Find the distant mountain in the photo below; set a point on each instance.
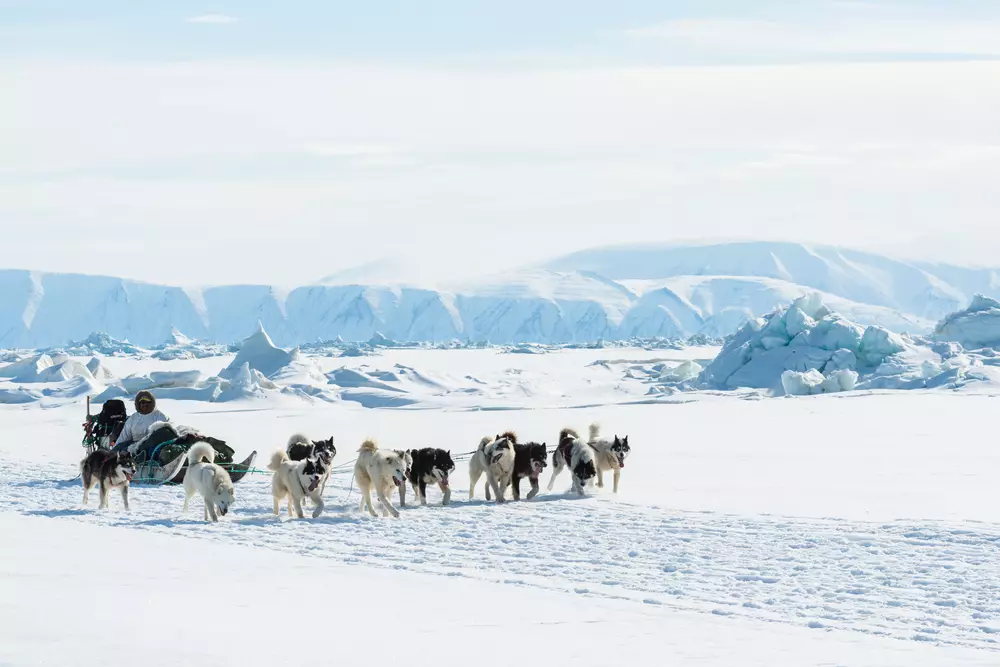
(611, 293)
(923, 290)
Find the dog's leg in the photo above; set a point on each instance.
(277, 503)
(88, 482)
(446, 490)
(298, 507)
(618, 474)
(402, 494)
(288, 498)
(422, 491)
(368, 499)
(386, 504)
(210, 511)
(534, 488)
(556, 469)
(318, 500)
(577, 485)
(474, 474)
(515, 488)
(491, 480)
(600, 478)
(105, 491)
(125, 496)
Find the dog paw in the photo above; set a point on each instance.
(600, 485)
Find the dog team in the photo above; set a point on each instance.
(302, 469)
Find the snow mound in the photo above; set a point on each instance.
(27, 370)
(246, 383)
(102, 343)
(808, 349)
(179, 346)
(259, 353)
(977, 326)
(98, 370)
(18, 396)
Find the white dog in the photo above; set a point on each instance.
(610, 454)
(495, 457)
(296, 481)
(380, 471)
(210, 480)
(574, 453)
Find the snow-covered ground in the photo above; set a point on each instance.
(853, 529)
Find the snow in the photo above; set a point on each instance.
(726, 545)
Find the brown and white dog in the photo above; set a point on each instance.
(112, 470)
(529, 461)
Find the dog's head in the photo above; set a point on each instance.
(537, 456)
(406, 456)
(324, 450)
(395, 462)
(314, 471)
(585, 468)
(621, 450)
(442, 465)
(126, 465)
(225, 495)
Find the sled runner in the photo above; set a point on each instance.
(160, 457)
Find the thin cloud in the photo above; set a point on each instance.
(217, 19)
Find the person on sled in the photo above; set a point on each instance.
(137, 426)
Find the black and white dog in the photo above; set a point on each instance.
(610, 454)
(430, 465)
(495, 458)
(297, 481)
(529, 461)
(112, 470)
(300, 448)
(574, 453)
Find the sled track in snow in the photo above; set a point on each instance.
(911, 580)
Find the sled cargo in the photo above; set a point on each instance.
(160, 457)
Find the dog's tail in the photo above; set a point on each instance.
(510, 435)
(595, 432)
(485, 441)
(201, 451)
(368, 446)
(279, 457)
(568, 433)
(298, 439)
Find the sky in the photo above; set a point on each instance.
(234, 142)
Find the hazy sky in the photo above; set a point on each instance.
(194, 142)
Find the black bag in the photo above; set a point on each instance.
(109, 423)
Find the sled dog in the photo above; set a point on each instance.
(379, 471)
(407, 462)
(495, 458)
(112, 470)
(529, 461)
(574, 453)
(212, 481)
(430, 466)
(301, 448)
(610, 454)
(295, 481)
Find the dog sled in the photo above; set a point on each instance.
(160, 457)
